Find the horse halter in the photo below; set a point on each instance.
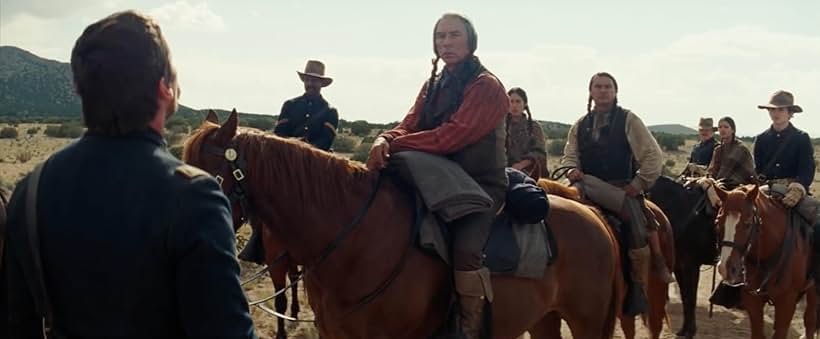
(237, 167)
(768, 271)
(754, 227)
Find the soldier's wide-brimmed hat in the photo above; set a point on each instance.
(707, 123)
(315, 69)
(782, 99)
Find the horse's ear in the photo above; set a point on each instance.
(212, 117)
(720, 193)
(227, 131)
(752, 195)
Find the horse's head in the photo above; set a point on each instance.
(738, 226)
(211, 149)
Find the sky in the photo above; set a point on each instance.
(674, 61)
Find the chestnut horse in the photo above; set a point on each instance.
(658, 290)
(352, 232)
(767, 256)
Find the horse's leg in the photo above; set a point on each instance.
(688, 275)
(658, 295)
(784, 306)
(293, 275)
(810, 314)
(628, 326)
(277, 276)
(754, 307)
(547, 328)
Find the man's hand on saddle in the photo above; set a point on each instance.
(379, 154)
(575, 175)
(794, 194)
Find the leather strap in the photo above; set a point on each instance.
(36, 276)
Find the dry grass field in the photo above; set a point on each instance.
(18, 156)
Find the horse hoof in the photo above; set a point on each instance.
(685, 333)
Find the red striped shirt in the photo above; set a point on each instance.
(483, 108)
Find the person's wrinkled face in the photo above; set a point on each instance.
(451, 40)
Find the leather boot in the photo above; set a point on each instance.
(254, 251)
(474, 292)
(636, 300)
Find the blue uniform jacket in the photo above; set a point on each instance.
(134, 244)
(309, 118)
(795, 161)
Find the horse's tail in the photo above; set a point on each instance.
(618, 284)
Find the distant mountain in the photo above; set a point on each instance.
(31, 86)
(34, 88)
(673, 129)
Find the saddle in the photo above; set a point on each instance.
(519, 243)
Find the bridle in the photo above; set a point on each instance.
(769, 267)
(236, 165)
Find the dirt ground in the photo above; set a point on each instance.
(723, 324)
(36, 147)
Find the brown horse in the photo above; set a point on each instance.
(766, 256)
(658, 290)
(364, 277)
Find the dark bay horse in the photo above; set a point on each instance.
(696, 241)
(370, 281)
(281, 268)
(658, 291)
(767, 256)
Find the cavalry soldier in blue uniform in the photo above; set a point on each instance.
(309, 117)
(130, 241)
(702, 152)
(784, 156)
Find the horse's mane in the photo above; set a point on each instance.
(311, 175)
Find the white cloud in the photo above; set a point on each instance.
(717, 73)
(187, 16)
(52, 9)
(34, 34)
(725, 72)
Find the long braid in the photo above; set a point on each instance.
(529, 122)
(507, 122)
(433, 74)
(589, 105)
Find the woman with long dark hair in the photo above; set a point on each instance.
(526, 145)
(732, 161)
